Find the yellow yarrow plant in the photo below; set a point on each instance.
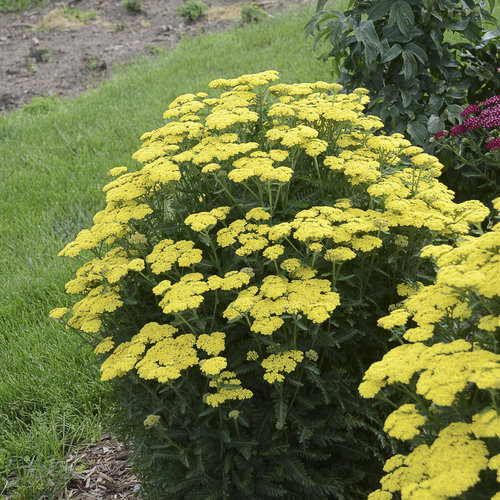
(451, 366)
(240, 268)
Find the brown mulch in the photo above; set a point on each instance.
(100, 471)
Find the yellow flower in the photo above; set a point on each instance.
(278, 364)
(252, 356)
(210, 167)
(59, 312)
(212, 344)
(151, 420)
(117, 171)
(104, 346)
(213, 366)
(257, 213)
(404, 422)
(273, 252)
(339, 254)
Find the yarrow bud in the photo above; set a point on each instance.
(151, 421)
(442, 134)
(470, 110)
(472, 122)
(490, 117)
(493, 144)
(458, 130)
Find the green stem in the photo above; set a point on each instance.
(179, 316)
(319, 175)
(270, 197)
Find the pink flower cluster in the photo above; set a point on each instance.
(485, 114)
(493, 144)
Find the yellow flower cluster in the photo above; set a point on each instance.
(154, 352)
(259, 165)
(469, 270)
(246, 82)
(404, 423)
(212, 344)
(168, 252)
(442, 370)
(110, 224)
(282, 362)
(151, 421)
(228, 388)
(213, 366)
(88, 312)
(278, 296)
(110, 269)
(202, 220)
(466, 292)
(447, 468)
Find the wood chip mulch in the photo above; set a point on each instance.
(100, 472)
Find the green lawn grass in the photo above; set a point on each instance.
(54, 162)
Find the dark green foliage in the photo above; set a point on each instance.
(317, 451)
(400, 51)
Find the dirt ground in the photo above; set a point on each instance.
(66, 47)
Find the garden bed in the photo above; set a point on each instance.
(65, 48)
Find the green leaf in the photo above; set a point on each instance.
(453, 112)
(435, 124)
(224, 436)
(459, 25)
(281, 410)
(392, 53)
(246, 452)
(409, 70)
(366, 34)
(379, 9)
(406, 97)
(417, 51)
(402, 15)
(418, 132)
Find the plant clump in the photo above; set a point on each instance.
(132, 5)
(192, 10)
(233, 284)
(450, 371)
(470, 152)
(252, 13)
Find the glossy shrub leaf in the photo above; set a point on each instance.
(366, 34)
(392, 53)
(379, 9)
(402, 15)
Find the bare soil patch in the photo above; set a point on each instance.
(66, 48)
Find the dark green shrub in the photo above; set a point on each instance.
(400, 51)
